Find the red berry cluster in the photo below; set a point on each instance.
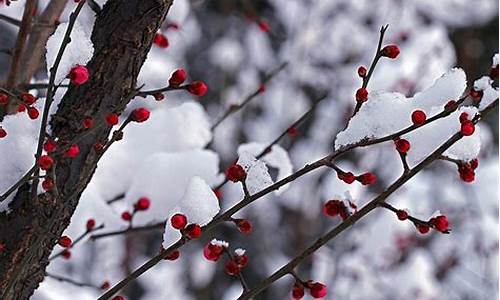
(364, 179)
(180, 222)
(316, 289)
(142, 204)
(467, 127)
(234, 265)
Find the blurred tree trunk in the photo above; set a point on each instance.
(122, 36)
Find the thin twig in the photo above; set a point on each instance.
(71, 281)
(77, 240)
(10, 20)
(50, 92)
(237, 107)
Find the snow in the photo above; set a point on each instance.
(221, 243)
(258, 176)
(386, 113)
(277, 158)
(199, 204)
(19, 146)
(167, 180)
(495, 60)
(78, 51)
(490, 93)
(239, 252)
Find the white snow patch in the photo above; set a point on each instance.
(78, 51)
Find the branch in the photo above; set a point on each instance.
(71, 281)
(235, 108)
(377, 201)
(10, 20)
(77, 240)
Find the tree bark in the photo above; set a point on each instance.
(122, 36)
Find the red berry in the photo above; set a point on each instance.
(332, 208)
(476, 95)
(73, 151)
(367, 178)
(262, 88)
(160, 40)
(112, 119)
(402, 145)
(78, 75)
(65, 241)
(140, 115)
(159, 96)
(463, 117)
(4, 99)
(179, 221)
(244, 226)
(212, 252)
(198, 88)
(362, 71)
(466, 174)
(193, 231)
(105, 285)
(21, 108)
(232, 267)
(440, 223)
(297, 291)
(422, 228)
(361, 95)
(28, 98)
(66, 254)
(263, 25)
(391, 51)
(3, 133)
(467, 128)
(317, 289)
(118, 298)
(346, 177)
(451, 105)
(174, 255)
(402, 215)
(48, 184)
(235, 173)
(126, 216)
(474, 163)
(418, 117)
(142, 204)
(50, 146)
(45, 162)
(33, 113)
(178, 77)
(88, 123)
(90, 224)
(241, 260)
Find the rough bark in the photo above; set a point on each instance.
(122, 37)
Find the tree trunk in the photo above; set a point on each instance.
(122, 36)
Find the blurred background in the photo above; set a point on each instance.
(232, 45)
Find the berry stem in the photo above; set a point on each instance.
(77, 240)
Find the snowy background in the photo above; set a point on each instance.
(324, 42)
